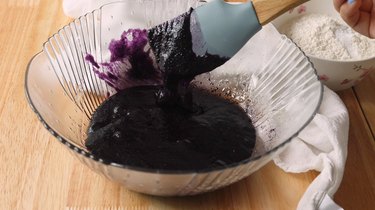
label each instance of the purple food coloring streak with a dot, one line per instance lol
(131, 63)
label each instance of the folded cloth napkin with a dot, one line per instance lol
(321, 146)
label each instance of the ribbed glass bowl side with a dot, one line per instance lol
(62, 89)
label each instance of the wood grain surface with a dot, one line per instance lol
(36, 171)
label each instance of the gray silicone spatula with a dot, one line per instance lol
(201, 40)
(227, 27)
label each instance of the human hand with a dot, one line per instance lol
(358, 14)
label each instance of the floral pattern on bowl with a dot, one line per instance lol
(323, 77)
(300, 9)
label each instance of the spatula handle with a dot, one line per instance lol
(267, 10)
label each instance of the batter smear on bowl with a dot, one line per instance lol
(156, 120)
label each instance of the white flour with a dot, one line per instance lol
(329, 38)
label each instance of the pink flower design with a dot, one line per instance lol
(323, 77)
(346, 81)
(301, 9)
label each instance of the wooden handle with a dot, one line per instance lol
(267, 10)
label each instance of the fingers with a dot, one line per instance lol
(338, 3)
(366, 5)
(358, 15)
(372, 28)
(350, 12)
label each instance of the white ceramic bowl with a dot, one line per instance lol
(337, 75)
(63, 91)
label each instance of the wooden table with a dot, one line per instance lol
(36, 172)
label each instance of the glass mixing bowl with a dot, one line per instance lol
(281, 97)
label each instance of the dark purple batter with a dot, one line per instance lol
(172, 44)
(156, 120)
(132, 129)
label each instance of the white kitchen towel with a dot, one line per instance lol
(321, 146)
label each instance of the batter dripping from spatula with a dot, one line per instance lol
(156, 120)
